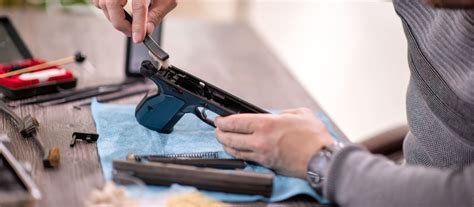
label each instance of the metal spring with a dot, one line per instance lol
(202, 155)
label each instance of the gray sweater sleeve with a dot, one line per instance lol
(358, 178)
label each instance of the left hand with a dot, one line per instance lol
(284, 142)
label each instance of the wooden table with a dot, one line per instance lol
(230, 56)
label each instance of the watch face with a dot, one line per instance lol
(317, 168)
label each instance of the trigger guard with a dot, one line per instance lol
(202, 115)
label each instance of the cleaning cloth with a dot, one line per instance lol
(121, 134)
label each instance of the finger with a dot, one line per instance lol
(117, 15)
(157, 12)
(243, 142)
(240, 123)
(244, 155)
(140, 12)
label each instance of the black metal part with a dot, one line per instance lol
(200, 162)
(191, 155)
(101, 90)
(113, 98)
(151, 44)
(78, 94)
(88, 137)
(27, 126)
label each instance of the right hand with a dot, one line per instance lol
(145, 17)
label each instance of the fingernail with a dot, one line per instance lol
(135, 37)
(150, 27)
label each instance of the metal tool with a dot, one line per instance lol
(155, 50)
(17, 187)
(101, 90)
(78, 58)
(28, 128)
(113, 98)
(75, 95)
(88, 137)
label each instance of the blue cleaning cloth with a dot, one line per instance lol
(121, 134)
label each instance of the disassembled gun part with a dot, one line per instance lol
(194, 155)
(88, 137)
(210, 163)
(158, 53)
(28, 128)
(230, 181)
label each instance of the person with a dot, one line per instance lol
(439, 148)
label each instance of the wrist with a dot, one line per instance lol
(318, 165)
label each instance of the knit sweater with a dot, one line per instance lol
(439, 148)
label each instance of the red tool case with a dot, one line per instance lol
(14, 55)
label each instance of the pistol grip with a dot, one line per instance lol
(160, 113)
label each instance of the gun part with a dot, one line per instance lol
(194, 155)
(180, 93)
(230, 181)
(28, 128)
(210, 163)
(157, 52)
(88, 137)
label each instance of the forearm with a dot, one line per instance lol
(358, 178)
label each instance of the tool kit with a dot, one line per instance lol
(15, 57)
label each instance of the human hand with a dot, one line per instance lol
(145, 15)
(284, 142)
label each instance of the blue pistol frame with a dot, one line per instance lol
(180, 93)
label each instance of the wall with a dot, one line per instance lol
(351, 56)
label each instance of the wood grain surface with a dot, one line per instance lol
(228, 55)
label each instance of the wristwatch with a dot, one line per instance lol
(319, 164)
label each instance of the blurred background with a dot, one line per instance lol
(350, 55)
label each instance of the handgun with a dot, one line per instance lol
(179, 93)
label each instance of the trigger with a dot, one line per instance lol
(201, 114)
